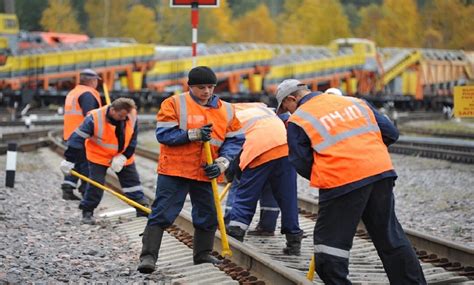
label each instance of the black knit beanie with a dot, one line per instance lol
(201, 75)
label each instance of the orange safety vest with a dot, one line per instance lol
(346, 140)
(103, 145)
(73, 116)
(187, 160)
(263, 131)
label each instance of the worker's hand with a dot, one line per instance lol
(118, 162)
(219, 166)
(66, 166)
(200, 134)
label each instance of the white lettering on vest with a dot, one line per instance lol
(332, 119)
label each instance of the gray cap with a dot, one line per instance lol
(287, 87)
(89, 73)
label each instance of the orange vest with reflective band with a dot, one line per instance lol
(103, 145)
(346, 140)
(263, 131)
(73, 116)
(187, 160)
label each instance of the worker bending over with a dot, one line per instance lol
(264, 159)
(340, 144)
(185, 121)
(109, 135)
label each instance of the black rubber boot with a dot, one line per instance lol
(236, 232)
(203, 243)
(144, 202)
(293, 244)
(68, 192)
(88, 217)
(151, 246)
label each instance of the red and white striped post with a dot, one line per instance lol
(194, 24)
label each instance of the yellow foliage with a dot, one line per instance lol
(174, 27)
(106, 17)
(371, 17)
(315, 22)
(58, 17)
(215, 24)
(256, 26)
(401, 23)
(140, 24)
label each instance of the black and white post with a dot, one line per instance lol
(11, 165)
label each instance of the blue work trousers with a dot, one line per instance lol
(281, 177)
(170, 196)
(83, 168)
(337, 224)
(128, 178)
(269, 210)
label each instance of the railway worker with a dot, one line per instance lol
(79, 102)
(109, 135)
(340, 145)
(264, 160)
(185, 121)
(269, 210)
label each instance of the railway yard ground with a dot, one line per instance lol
(43, 240)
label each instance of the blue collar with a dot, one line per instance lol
(308, 97)
(212, 102)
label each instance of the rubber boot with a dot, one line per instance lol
(144, 202)
(203, 243)
(88, 217)
(68, 192)
(293, 244)
(151, 246)
(236, 232)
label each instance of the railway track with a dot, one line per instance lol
(454, 150)
(259, 259)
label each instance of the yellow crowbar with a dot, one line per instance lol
(312, 266)
(220, 219)
(120, 196)
(224, 191)
(106, 93)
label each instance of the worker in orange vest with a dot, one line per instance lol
(79, 102)
(109, 136)
(264, 159)
(340, 144)
(185, 121)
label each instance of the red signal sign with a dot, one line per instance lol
(201, 3)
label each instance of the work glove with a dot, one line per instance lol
(66, 166)
(200, 134)
(215, 169)
(118, 162)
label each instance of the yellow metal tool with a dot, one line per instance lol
(312, 268)
(120, 196)
(106, 93)
(220, 218)
(224, 191)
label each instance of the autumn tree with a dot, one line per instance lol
(174, 26)
(401, 23)
(452, 20)
(140, 24)
(370, 21)
(256, 26)
(59, 17)
(106, 17)
(216, 24)
(314, 22)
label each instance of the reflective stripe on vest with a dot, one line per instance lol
(73, 113)
(263, 131)
(322, 127)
